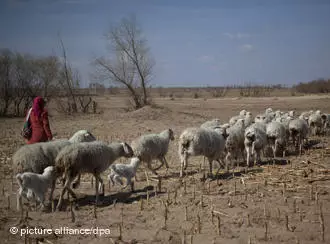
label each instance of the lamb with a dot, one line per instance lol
(298, 132)
(255, 139)
(315, 123)
(34, 184)
(235, 140)
(153, 146)
(88, 157)
(201, 142)
(36, 157)
(127, 171)
(276, 136)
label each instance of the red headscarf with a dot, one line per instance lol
(38, 106)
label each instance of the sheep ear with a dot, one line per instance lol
(87, 134)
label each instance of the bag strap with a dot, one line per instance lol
(28, 115)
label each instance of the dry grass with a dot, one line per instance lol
(272, 203)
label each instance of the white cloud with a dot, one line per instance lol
(236, 36)
(246, 47)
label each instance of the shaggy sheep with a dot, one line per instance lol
(248, 120)
(234, 119)
(260, 118)
(243, 112)
(127, 171)
(292, 113)
(93, 157)
(235, 141)
(212, 124)
(36, 157)
(276, 136)
(34, 184)
(315, 123)
(305, 115)
(326, 120)
(298, 132)
(285, 120)
(269, 110)
(255, 139)
(153, 146)
(201, 142)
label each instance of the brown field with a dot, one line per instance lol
(247, 204)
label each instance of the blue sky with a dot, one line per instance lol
(194, 43)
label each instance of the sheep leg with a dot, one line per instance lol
(161, 165)
(66, 187)
(101, 185)
(98, 180)
(151, 169)
(52, 190)
(228, 160)
(248, 156)
(41, 199)
(132, 185)
(210, 166)
(19, 199)
(274, 148)
(257, 156)
(76, 183)
(118, 179)
(184, 158)
(128, 183)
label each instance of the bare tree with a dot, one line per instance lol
(48, 74)
(6, 94)
(130, 63)
(23, 76)
(68, 81)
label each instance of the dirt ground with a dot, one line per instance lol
(285, 202)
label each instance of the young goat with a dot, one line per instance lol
(32, 183)
(127, 171)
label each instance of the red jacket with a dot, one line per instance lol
(40, 128)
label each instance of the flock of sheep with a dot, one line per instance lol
(38, 166)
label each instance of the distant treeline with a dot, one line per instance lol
(315, 86)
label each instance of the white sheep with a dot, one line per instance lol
(277, 137)
(305, 115)
(35, 184)
(235, 141)
(36, 157)
(315, 123)
(93, 157)
(248, 119)
(285, 120)
(201, 142)
(212, 124)
(298, 132)
(255, 139)
(243, 112)
(127, 171)
(153, 146)
(260, 118)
